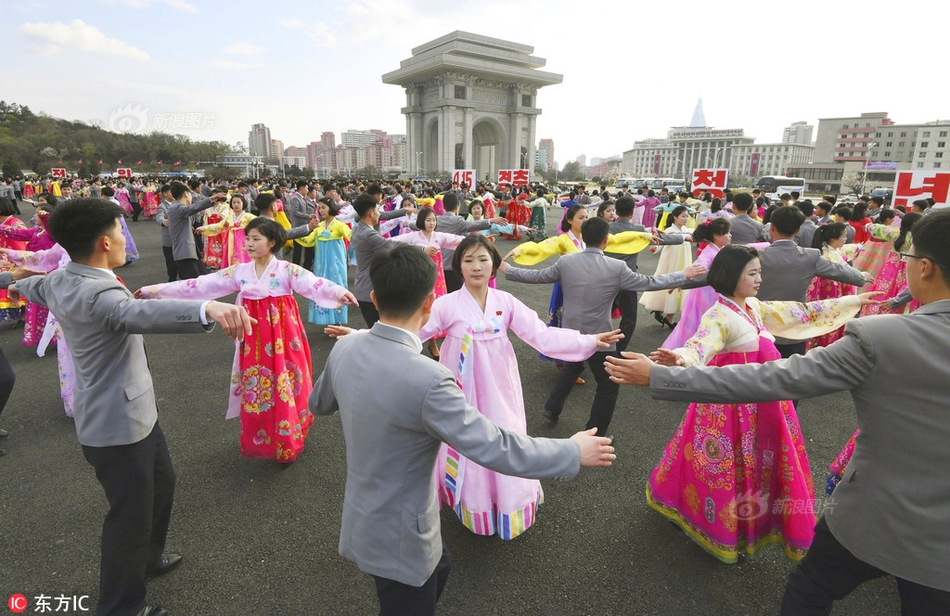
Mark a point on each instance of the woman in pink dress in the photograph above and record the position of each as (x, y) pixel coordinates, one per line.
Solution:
(227, 234)
(9, 310)
(830, 239)
(271, 374)
(36, 238)
(892, 279)
(735, 477)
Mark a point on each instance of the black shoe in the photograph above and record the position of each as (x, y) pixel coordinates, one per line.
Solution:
(659, 317)
(549, 415)
(166, 563)
(152, 610)
(672, 326)
(4, 432)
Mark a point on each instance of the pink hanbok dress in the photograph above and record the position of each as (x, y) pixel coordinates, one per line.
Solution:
(479, 353)
(825, 288)
(439, 240)
(892, 279)
(271, 373)
(735, 477)
(34, 315)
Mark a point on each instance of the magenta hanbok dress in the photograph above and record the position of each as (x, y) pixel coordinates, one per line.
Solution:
(735, 477)
(892, 279)
(479, 354)
(271, 376)
(34, 315)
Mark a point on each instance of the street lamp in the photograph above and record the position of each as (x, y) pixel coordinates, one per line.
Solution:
(418, 164)
(716, 156)
(867, 156)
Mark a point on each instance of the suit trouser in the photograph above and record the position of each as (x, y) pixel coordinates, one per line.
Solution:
(830, 572)
(605, 398)
(303, 256)
(190, 268)
(398, 599)
(7, 379)
(628, 317)
(139, 482)
(170, 266)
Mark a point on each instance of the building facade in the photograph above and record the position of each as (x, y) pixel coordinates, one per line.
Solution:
(798, 132)
(547, 146)
(259, 141)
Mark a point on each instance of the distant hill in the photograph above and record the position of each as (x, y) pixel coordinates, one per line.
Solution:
(37, 141)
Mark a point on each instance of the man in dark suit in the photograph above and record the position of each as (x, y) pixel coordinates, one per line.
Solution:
(390, 525)
(890, 514)
(180, 230)
(590, 281)
(116, 412)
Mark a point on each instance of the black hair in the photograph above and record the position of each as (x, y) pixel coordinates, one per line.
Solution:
(930, 239)
(625, 205)
(603, 207)
(727, 267)
(178, 189)
(331, 205)
(264, 202)
(303, 184)
(269, 229)
(807, 207)
(78, 224)
(6, 207)
(844, 212)
(742, 202)
(402, 279)
(877, 199)
(831, 199)
(374, 189)
(569, 215)
(708, 233)
(715, 205)
(907, 223)
(422, 216)
(364, 204)
(594, 231)
(164, 188)
(679, 209)
(107, 191)
(787, 220)
(885, 216)
(241, 197)
(450, 201)
(825, 205)
(825, 233)
(470, 244)
(860, 212)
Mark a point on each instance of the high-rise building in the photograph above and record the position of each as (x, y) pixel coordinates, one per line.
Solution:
(276, 148)
(582, 160)
(798, 132)
(362, 138)
(259, 141)
(548, 146)
(842, 140)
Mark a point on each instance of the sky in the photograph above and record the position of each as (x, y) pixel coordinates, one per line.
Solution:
(631, 70)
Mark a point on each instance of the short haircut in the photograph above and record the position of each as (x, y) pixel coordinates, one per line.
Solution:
(402, 280)
(470, 244)
(363, 205)
(107, 191)
(330, 187)
(825, 233)
(302, 184)
(726, 268)
(825, 206)
(742, 202)
(424, 214)
(878, 200)
(374, 189)
(331, 205)
(807, 208)
(625, 205)
(78, 224)
(165, 188)
(832, 199)
(844, 212)
(238, 196)
(264, 202)
(930, 240)
(785, 197)
(787, 219)
(594, 231)
(6, 207)
(178, 189)
(450, 201)
(269, 229)
(796, 194)
(194, 185)
(885, 216)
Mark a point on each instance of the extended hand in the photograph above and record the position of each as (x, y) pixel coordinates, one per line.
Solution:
(21, 272)
(431, 250)
(337, 331)
(235, 320)
(867, 301)
(595, 450)
(630, 369)
(694, 270)
(868, 278)
(606, 339)
(666, 357)
(348, 299)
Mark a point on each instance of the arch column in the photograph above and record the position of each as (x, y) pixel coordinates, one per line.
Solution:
(467, 147)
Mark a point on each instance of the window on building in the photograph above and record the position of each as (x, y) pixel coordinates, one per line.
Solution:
(878, 135)
(938, 155)
(525, 100)
(460, 92)
(921, 155)
(846, 126)
(887, 154)
(924, 144)
(889, 143)
(867, 125)
(941, 144)
(926, 133)
(903, 133)
(900, 144)
(920, 165)
(936, 165)
(942, 133)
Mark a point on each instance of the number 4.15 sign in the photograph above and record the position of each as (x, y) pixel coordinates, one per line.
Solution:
(464, 176)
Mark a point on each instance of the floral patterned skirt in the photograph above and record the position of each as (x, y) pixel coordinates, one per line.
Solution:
(735, 477)
(275, 381)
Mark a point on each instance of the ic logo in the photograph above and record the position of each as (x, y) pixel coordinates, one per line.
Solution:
(17, 603)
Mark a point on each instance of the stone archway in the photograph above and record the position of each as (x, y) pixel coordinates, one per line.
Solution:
(488, 148)
(430, 158)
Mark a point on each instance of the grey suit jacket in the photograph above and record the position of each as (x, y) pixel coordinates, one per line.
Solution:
(590, 281)
(102, 323)
(179, 228)
(161, 215)
(453, 223)
(390, 510)
(299, 210)
(806, 233)
(365, 241)
(623, 224)
(892, 507)
(787, 270)
(745, 230)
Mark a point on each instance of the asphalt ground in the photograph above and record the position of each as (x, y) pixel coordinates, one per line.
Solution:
(261, 538)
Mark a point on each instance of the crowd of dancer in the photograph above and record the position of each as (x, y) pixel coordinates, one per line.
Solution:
(739, 281)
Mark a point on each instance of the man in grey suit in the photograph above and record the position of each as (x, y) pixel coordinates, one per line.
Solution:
(180, 230)
(299, 210)
(390, 525)
(590, 282)
(788, 269)
(451, 222)
(116, 413)
(745, 230)
(890, 515)
(806, 233)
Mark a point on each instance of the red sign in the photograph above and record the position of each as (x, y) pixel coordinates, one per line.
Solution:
(656, 165)
(714, 181)
(514, 177)
(125, 172)
(57, 172)
(464, 176)
(913, 185)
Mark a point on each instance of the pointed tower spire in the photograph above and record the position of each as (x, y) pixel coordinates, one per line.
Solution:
(699, 120)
